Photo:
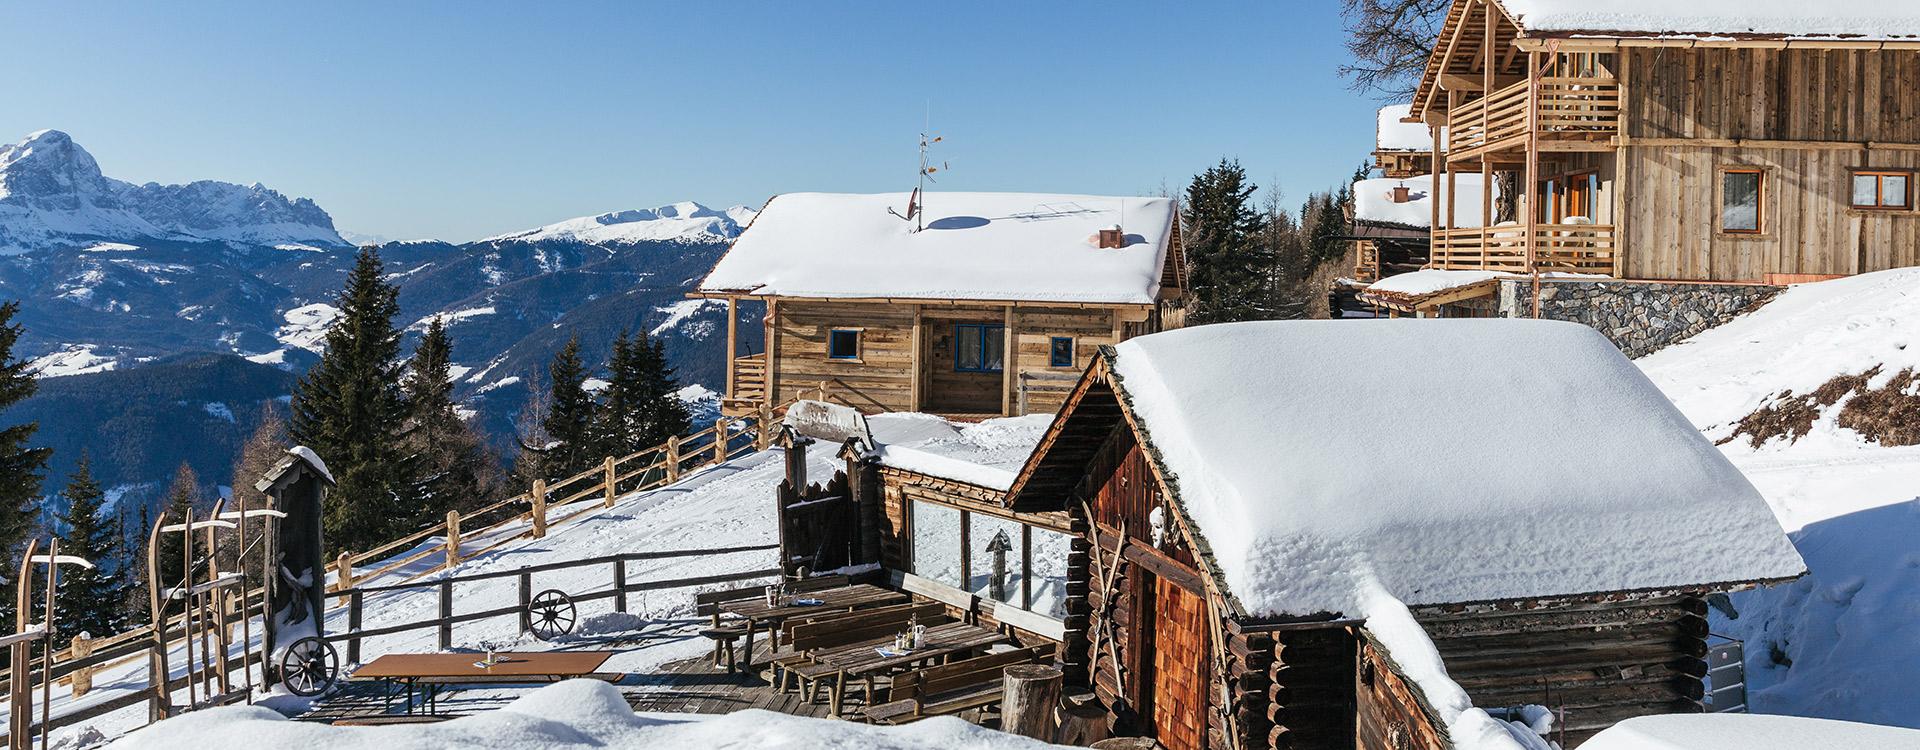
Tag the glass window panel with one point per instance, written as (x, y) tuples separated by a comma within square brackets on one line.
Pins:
[(994, 345), (1740, 202), (1863, 189), (843, 344), (1050, 573), (967, 356), (981, 538), (1893, 190), (936, 543), (1062, 352)]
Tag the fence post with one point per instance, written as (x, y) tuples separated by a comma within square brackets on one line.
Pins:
[(343, 568), (612, 474), (453, 538), (673, 459), (446, 614), (539, 508), (619, 585), (353, 626), (763, 436), (82, 677), (719, 441), (526, 599)]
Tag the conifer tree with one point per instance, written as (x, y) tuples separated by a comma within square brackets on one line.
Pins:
[(91, 601), (1229, 265), (455, 468), (568, 424), (183, 502), (349, 409), (641, 405), (264, 448), (21, 468)]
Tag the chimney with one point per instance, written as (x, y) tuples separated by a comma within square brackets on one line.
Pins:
[(1111, 237), (1401, 194)]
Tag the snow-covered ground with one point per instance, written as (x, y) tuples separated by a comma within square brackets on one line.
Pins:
[(1843, 642)]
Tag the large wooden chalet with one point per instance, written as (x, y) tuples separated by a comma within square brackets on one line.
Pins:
[(1676, 141), (972, 304), (1254, 542)]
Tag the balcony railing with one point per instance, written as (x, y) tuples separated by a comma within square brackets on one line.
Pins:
[(1567, 109), (1569, 248), (748, 381)]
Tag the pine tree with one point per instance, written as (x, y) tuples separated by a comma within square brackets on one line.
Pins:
[(183, 502), (641, 405), (456, 471), (1229, 266), (349, 409), (21, 468), (264, 448), (568, 425), (91, 601)]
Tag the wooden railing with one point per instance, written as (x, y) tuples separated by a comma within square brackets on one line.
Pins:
[(749, 384), (1567, 109), (1571, 248)]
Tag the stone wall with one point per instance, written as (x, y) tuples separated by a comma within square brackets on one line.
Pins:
[(1639, 317)]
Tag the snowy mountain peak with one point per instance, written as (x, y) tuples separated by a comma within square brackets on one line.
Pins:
[(53, 194), (686, 221)]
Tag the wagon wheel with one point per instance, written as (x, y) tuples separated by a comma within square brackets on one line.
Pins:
[(309, 667), (551, 614)]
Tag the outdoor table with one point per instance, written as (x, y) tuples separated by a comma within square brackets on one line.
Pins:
[(757, 611), (865, 659), (432, 672)]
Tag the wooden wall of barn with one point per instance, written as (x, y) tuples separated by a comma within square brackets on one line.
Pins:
[(1816, 102), (1603, 658), (880, 380)]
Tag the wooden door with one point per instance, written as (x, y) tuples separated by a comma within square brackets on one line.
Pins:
[(1180, 667)]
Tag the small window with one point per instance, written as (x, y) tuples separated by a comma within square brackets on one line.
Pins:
[(1740, 193), (843, 344), (1061, 353), (979, 348), (1882, 190)]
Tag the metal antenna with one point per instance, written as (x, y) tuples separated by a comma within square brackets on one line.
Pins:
[(916, 206)]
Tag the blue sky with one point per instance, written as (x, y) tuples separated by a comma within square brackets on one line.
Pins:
[(461, 120)]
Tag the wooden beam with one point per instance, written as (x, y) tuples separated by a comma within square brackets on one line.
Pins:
[(733, 337), (1009, 365), (918, 358), (1460, 82), (1535, 43), (1622, 140)]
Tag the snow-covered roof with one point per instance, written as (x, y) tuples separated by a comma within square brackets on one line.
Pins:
[(1849, 19), (1430, 281), (1373, 200), (1747, 732), (987, 453), (976, 246), (1529, 459), (1394, 135)]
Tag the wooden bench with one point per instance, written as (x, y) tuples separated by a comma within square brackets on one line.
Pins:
[(951, 688), (724, 635), (848, 629)]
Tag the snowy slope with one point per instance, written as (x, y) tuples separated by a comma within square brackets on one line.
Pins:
[(681, 221), (1843, 642)]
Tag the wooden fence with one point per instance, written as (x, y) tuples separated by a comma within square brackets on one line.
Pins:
[(1573, 248)]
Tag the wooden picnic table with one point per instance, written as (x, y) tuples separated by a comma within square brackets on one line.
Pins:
[(431, 672), (866, 660), (756, 611)]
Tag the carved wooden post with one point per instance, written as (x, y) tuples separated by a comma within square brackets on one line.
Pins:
[(82, 677), (763, 434), (612, 475), (719, 441), (539, 508), (1032, 691), (343, 567), (673, 459), (453, 538)]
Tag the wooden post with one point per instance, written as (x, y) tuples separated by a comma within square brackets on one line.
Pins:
[(733, 337), (1032, 693), (619, 585), (611, 480), (916, 364), (343, 573), (83, 677), (526, 598), (719, 440), (19, 684), (539, 497), (1081, 724), (446, 614), (763, 434), (673, 459), (1530, 183), (353, 626), (453, 538), (1487, 54), (1009, 363)]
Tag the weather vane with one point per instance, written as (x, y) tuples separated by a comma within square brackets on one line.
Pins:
[(916, 212)]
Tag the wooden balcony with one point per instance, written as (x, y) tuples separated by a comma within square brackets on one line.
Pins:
[(1401, 165), (746, 385), (1566, 248), (1574, 114)]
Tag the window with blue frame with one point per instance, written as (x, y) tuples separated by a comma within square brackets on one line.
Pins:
[(979, 348), (843, 344), (1061, 353)]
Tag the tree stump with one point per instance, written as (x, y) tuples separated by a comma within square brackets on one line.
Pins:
[(1127, 743), (1081, 724), (1031, 692)]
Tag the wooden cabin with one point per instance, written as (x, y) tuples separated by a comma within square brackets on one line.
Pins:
[(977, 304), (1266, 557), (1391, 223), (1679, 142), (1402, 145)]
